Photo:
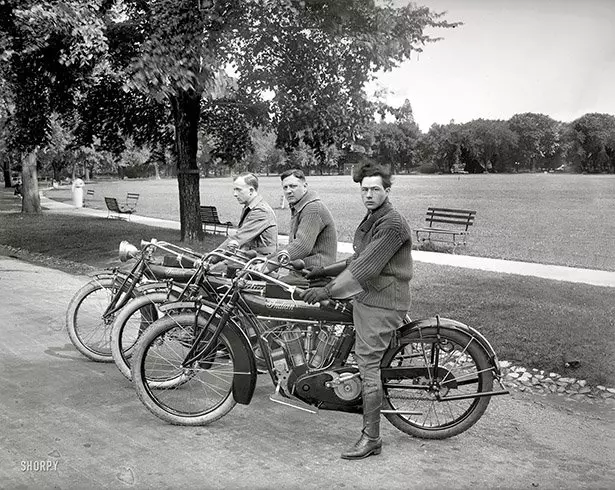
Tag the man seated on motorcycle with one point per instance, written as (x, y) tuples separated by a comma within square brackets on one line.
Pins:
[(381, 269), (257, 229), (313, 237)]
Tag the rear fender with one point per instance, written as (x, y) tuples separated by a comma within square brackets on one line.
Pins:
[(244, 379), (446, 323)]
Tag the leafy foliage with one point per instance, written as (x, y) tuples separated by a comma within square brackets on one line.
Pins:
[(592, 143), (315, 58)]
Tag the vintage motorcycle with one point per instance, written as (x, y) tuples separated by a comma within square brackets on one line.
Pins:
[(179, 284), (192, 366), (93, 308)]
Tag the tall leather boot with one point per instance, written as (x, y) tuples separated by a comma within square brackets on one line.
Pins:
[(370, 442)]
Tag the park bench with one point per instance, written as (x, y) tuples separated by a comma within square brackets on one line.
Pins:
[(446, 225), (209, 217), (89, 195), (115, 210), (131, 201)]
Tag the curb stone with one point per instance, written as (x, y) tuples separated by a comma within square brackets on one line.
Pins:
[(540, 381)]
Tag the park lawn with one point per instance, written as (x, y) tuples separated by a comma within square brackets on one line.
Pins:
[(545, 218), (84, 240), (532, 322)]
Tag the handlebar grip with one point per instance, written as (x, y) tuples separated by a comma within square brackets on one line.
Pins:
[(297, 264)]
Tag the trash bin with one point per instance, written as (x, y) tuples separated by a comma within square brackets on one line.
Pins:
[(77, 188)]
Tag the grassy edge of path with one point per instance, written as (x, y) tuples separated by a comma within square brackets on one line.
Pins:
[(530, 321)]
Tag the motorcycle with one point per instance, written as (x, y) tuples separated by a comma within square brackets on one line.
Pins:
[(182, 285), (193, 365), (94, 307)]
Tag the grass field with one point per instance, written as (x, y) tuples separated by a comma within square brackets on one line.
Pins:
[(533, 322), (547, 218)]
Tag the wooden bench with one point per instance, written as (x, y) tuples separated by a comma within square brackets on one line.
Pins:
[(115, 210), (209, 217), (446, 225), (131, 201), (89, 195)]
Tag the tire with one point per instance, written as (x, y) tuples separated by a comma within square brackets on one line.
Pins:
[(138, 314), (88, 330), (464, 369), (196, 396)]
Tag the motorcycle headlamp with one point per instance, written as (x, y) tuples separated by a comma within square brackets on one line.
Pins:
[(127, 251)]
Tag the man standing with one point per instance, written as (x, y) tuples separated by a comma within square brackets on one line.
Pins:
[(312, 237), (257, 229), (382, 266)]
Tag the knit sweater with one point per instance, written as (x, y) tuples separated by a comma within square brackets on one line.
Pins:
[(312, 232), (382, 262)]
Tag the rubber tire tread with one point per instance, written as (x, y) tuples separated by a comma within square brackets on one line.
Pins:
[(150, 335), (117, 331), (71, 313), (478, 409)]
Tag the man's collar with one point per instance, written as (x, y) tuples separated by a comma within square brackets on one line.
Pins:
[(254, 201), (384, 208), (308, 197)]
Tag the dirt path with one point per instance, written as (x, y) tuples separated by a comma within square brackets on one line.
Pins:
[(69, 423)]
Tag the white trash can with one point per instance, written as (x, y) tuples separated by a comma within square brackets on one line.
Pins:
[(77, 189)]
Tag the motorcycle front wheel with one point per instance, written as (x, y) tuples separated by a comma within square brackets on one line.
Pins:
[(88, 329), (138, 314), (442, 402), (197, 395)]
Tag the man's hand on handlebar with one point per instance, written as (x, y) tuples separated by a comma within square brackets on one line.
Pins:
[(316, 272), (315, 295)]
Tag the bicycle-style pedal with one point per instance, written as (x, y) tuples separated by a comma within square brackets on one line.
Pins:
[(293, 403)]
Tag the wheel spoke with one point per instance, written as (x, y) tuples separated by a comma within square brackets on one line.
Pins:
[(422, 387)]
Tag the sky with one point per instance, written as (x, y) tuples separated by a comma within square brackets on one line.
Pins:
[(554, 57)]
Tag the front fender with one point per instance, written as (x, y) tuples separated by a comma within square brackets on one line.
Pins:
[(244, 379), (172, 289), (434, 322)]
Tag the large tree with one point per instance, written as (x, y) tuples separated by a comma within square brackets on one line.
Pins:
[(490, 145), (538, 138), (315, 58), (47, 49), (591, 140)]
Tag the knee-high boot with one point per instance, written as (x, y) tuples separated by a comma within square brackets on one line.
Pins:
[(370, 442)]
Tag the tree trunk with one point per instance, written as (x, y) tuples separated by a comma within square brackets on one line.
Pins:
[(186, 109), (31, 202), (7, 175)]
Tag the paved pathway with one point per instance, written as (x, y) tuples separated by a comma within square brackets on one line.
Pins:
[(553, 272), (66, 422)]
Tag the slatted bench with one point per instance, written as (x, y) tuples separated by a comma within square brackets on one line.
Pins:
[(446, 225), (131, 201), (89, 195), (209, 217), (115, 210)]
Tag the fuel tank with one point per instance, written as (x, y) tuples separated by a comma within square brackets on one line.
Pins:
[(283, 306)]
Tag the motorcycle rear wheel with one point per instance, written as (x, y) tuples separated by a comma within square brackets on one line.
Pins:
[(198, 395), (464, 369)]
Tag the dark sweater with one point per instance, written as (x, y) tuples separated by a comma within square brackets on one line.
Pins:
[(312, 232), (382, 262)]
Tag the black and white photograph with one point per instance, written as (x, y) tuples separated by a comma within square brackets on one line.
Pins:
[(307, 244)]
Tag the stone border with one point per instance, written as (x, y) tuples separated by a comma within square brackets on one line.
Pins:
[(539, 381)]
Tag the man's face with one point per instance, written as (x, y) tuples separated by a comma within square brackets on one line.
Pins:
[(373, 192), (242, 191), (294, 189)]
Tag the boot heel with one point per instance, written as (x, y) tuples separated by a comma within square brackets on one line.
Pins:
[(377, 451)]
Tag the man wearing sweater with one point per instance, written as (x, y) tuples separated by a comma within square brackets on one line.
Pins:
[(382, 267), (312, 237)]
